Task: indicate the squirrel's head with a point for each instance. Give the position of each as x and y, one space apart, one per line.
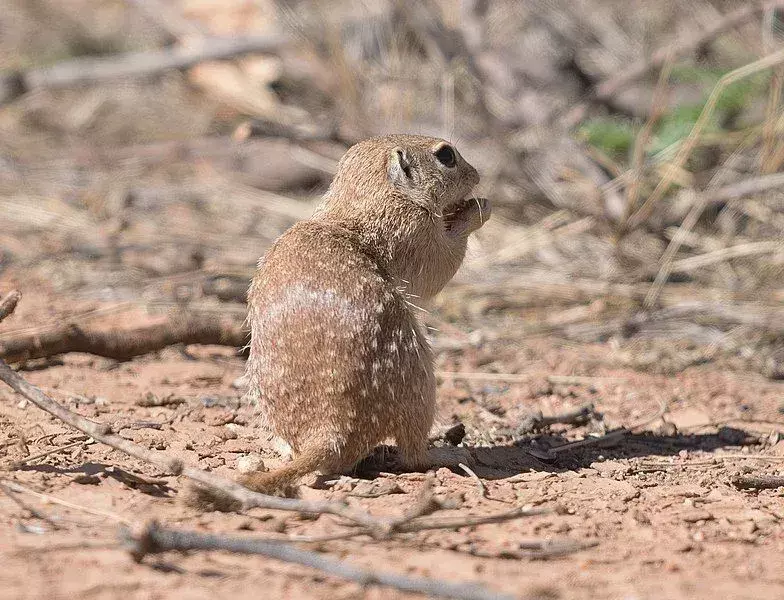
410 198
395 172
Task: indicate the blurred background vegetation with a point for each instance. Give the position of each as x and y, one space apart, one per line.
150 151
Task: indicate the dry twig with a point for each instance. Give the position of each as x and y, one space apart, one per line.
8 491
764 318
425 504
479 483
699 204
747 187
125 343
770 158
578 416
658 105
759 482
136 64
83 439
525 378
612 436
542 549
18 488
552 453
724 254
153 539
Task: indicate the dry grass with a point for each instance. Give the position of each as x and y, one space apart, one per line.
110 190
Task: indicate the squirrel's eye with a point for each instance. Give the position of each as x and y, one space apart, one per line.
446 156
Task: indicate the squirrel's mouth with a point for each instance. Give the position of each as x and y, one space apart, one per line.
465 215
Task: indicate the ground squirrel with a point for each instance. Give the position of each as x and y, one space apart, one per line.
338 360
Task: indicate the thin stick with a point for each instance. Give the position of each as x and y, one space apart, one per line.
724 254
777 157
665 270
427 523
770 457
700 202
759 482
479 483
768 153
25 506
123 344
543 549
537 421
80 442
725 422
425 504
747 187
154 539
658 104
320 539
16 487
140 64
525 378
8 304
81 316
552 453
690 142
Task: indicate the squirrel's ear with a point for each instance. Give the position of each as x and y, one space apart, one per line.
400 167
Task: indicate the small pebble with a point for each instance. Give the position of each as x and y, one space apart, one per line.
250 463
693 516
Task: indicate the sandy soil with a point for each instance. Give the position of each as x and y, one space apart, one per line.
658 504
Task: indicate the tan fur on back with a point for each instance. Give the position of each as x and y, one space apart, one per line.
338 360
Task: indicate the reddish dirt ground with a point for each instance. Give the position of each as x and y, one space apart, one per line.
656 509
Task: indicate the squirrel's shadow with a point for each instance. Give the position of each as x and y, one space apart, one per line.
502 461
94 472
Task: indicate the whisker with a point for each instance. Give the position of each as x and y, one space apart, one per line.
479 206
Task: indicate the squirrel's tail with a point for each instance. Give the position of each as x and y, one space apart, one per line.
279 480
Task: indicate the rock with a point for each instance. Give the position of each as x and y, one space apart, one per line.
219 417
250 463
641 517
684 547
454 435
688 417
225 433
695 515
748 528
376 488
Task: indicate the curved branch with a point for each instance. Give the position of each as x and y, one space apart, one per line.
124 344
134 64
